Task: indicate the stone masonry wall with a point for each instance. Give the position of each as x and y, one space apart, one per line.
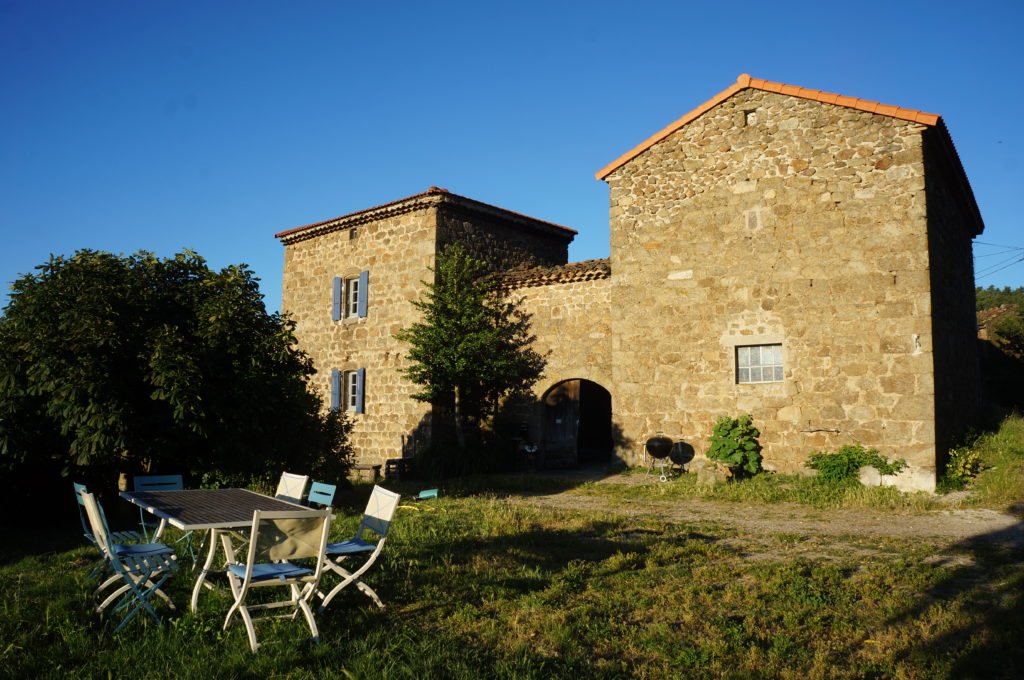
773 219
572 322
397 244
396 248
952 218
501 243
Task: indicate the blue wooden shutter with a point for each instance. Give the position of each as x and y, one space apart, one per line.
364 278
360 392
335 390
336 299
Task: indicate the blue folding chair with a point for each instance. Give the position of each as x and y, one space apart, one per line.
321 494
161 483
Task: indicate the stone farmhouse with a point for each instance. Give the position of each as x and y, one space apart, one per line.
801 256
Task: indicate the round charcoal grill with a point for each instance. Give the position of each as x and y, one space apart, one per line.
659 448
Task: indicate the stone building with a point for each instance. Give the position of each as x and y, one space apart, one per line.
801 256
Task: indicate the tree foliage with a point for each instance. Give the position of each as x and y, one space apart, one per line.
471 348
987 298
136 363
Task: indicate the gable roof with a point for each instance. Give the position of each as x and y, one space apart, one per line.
744 82
431 196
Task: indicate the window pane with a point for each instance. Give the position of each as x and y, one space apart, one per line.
778 373
755 356
777 355
744 375
743 354
755 375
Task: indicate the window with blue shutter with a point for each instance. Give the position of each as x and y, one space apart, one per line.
364 279
335 390
337 298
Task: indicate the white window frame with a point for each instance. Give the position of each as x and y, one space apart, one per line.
757 364
350 390
351 299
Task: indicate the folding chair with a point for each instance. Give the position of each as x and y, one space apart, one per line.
116 536
291 487
377 518
140 569
321 494
155 483
276 538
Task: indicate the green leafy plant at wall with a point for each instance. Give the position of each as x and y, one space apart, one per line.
963 465
734 442
842 467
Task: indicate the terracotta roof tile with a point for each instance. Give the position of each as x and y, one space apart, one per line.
429 192
530 277
744 82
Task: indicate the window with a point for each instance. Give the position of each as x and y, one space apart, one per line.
347 390
759 364
351 390
349 297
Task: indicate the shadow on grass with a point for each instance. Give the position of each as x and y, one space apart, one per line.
971 618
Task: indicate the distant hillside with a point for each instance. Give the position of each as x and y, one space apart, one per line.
991 297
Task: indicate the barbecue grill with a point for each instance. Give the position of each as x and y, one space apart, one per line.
659 448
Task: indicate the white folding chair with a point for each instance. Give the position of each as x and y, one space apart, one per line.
291 487
140 569
376 519
276 538
115 536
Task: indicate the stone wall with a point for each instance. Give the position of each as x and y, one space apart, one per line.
953 221
773 219
397 244
572 323
396 249
501 242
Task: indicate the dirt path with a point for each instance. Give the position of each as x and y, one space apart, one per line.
940 528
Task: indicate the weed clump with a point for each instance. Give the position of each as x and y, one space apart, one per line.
734 442
842 467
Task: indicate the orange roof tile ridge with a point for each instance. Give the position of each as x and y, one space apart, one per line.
745 81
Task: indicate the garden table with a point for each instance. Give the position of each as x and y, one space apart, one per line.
222 511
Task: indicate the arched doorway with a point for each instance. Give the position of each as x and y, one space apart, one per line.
577 424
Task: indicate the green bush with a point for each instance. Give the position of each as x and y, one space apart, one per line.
963 465
734 442
842 467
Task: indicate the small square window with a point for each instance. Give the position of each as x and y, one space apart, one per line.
759 364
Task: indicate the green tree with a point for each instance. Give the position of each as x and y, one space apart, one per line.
471 348
1009 335
129 364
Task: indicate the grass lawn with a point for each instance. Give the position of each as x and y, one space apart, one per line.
478 586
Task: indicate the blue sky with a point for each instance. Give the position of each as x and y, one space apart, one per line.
213 125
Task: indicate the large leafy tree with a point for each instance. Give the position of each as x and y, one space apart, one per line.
471 348
137 363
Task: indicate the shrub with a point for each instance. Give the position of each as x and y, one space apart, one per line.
842 467
734 442
963 465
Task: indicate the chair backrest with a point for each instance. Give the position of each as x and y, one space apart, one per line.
321 494
97 521
291 487
379 511
286 535
158 483
79 490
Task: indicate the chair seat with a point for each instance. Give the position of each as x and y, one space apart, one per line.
271 570
350 547
141 549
